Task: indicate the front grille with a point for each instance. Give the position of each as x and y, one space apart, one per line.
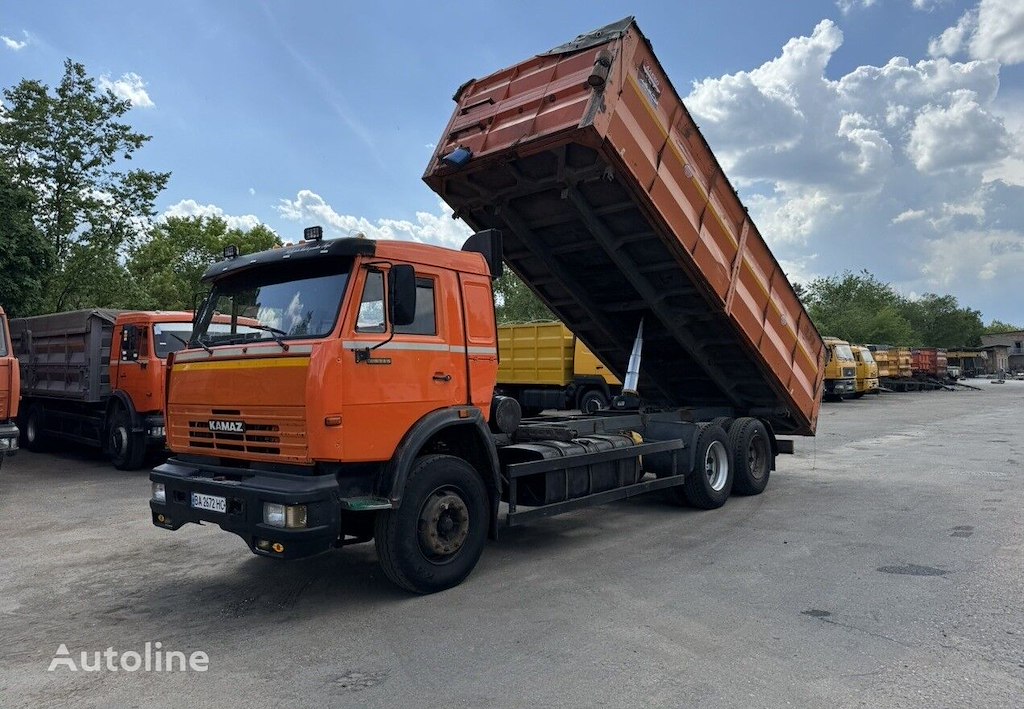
258 438
271 432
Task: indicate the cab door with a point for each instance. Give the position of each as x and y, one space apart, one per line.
392 377
131 368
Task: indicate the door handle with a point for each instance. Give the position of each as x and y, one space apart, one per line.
442 377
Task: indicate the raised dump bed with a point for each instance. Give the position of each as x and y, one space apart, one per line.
614 210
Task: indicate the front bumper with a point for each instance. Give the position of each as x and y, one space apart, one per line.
245 492
840 386
9 435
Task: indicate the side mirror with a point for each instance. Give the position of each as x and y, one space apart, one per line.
401 295
488 243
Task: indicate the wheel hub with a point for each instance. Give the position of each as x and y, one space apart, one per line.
118 439
443 524
716 465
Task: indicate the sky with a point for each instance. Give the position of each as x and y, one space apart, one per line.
885 135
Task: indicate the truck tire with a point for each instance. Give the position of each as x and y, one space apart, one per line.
751 452
33 436
592 401
434 539
127 449
708 485
724 421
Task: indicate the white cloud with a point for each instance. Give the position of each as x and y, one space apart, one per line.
1000 33
309 208
927 5
909 215
960 134
848 6
884 168
252 191
16 45
993 30
130 86
191 208
953 39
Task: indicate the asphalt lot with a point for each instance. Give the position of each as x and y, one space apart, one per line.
884 566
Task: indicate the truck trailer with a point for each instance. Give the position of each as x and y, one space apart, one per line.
96 377
10 392
544 366
363 407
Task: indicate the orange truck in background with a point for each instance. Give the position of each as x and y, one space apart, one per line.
9 392
97 377
359 405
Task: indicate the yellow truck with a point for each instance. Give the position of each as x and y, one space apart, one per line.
884 359
867 371
543 366
840 370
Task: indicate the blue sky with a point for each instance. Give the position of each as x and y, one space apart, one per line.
294 113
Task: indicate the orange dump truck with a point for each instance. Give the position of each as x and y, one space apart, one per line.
9 392
363 407
96 377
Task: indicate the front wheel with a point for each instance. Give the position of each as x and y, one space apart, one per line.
593 401
434 539
32 435
127 449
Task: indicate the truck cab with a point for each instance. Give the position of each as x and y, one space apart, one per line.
97 377
867 371
10 391
840 370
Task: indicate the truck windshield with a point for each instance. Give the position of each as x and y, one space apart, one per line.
865 356
273 304
172 336
844 353
3 338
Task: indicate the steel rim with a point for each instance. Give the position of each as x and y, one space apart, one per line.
118 440
757 455
443 525
716 465
591 405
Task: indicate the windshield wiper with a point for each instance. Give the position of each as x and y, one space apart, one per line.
275 333
183 341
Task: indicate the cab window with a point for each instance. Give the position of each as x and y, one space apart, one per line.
426 319
371 305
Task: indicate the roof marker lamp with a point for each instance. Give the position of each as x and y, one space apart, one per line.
230 251
313 233
458 157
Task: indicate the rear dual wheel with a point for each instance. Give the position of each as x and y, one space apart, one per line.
751 451
708 485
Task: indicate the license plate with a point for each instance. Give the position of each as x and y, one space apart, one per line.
209 502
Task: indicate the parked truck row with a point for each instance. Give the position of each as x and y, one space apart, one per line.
96 377
360 403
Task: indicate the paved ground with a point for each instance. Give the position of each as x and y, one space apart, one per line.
883 567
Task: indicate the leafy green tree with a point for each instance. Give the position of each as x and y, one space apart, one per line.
68 147
939 321
168 265
516 303
859 308
25 256
997 327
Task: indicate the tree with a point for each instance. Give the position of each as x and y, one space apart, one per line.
67 148
516 303
859 308
997 327
25 256
939 321
168 265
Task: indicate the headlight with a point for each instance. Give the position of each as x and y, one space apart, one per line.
8 444
159 493
285 516
158 432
